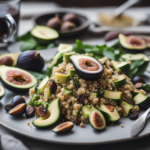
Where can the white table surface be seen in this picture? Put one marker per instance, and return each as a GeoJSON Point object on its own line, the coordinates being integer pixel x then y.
{"type": "Point", "coordinates": [29, 9]}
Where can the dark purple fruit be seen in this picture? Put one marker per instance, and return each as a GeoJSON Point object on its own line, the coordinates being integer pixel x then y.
{"type": "Point", "coordinates": [30, 111]}
{"type": "Point", "coordinates": [129, 102]}
{"type": "Point", "coordinates": [6, 60]}
{"type": "Point", "coordinates": [54, 23]}
{"type": "Point", "coordinates": [77, 122]}
{"type": "Point", "coordinates": [41, 111]}
{"type": "Point", "coordinates": [128, 33]}
{"type": "Point", "coordinates": [71, 17]}
{"type": "Point", "coordinates": [133, 115]}
{"type": "Point", "coordinates": [18, 110]}
{"type": "Point", "coordinates": [8, 107]}
{"type": "Point", "coordinates": [30, 60]}
{"type": "Point", "coordinates": [83, 97]}
{"type": "Point", "coordinates": [53, 86]}
{"type": "Point", "coordinates": [64, 127]}
{"type": "Point", "coordinates": [18, 100]}
{"type": "Point", "coordinates": [67, 25]}
{"type": "Point", "coordinates": [137, 79]}
{"type": "Point", "coordinates": [111, 36]}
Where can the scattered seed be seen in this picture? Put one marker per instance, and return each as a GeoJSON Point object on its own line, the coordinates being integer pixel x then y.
{"type": "Point", "coordinates": [121, 125]}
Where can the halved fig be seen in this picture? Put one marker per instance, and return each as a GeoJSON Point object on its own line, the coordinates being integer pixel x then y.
{"type": "Point", "coordinates": [132, 44]}
{"type": "Point", "coordinates": [30, 111]}
{"type": "Point", "coordinates": [18, 110]}
{"type": "Point", "coordinates": [87, 67]}
{"type": "Point", "coordinates": [64, 127]}
{"type": "Point", "coordinates": [147, 40]}
{"type": "Point", "coordinates": [2, 92]}
{"type": "Point", "coordinates": [97, 119]}
{"type": "Point", "coordinates": [16, 79]}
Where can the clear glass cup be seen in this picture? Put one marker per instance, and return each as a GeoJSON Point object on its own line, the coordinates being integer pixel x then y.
{"type": "Point", "coordinates": [9, 21]}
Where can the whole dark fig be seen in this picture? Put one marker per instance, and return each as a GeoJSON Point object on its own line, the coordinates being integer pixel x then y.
{"type": "Point", "coordinates": [18, 100]}
{"type": "Point", "coordinates": [54, 23]}
{"type": "Point", "coordinates": [30, 60]}
{"type": "Point", "coordinates": [67, 25]}
{"type": "Point", "coordinates": [111, 36]}
{"type": "Point", "coordinates": [71, 17]}
{"type": "Point", "coordinates": [137, 79]}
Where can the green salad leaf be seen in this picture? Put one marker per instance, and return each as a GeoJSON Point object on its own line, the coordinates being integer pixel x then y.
{"type": "Point", "coordinates": [146, 87]}
{"type": "Point", "coordinates": [38, 75]}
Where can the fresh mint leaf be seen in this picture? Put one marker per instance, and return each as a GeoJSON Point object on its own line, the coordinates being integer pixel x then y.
{"type": "Point", "coordinates": [40, 47]}
{"type": "Point", "coordinates": [49, 71]}
{"type": "Point", "coordinates": [24, 37]}
{"type": "Point", "coordinates": [28, 45]}
{"type": "Point", "coordinates": [51, 45]}
{"type": "Point", "coordinates": [39, 76]}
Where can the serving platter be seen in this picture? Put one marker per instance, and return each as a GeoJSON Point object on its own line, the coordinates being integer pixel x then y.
{"type": "Point", "coordinates": [78, 135]}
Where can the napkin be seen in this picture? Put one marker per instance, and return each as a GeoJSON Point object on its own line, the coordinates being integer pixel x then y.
{"type": "Point", "coordinates": [8, 142]}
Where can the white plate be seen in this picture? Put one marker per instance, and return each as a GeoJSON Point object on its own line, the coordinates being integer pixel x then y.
{"type": "Point", "coordinates": [78, 135]}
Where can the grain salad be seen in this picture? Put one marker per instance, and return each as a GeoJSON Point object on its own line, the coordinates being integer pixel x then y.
{"type": "Point", "coordinates": [71, 105]}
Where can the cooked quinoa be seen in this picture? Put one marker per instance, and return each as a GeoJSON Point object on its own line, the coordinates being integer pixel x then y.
{"type": "Point", "coordinates": [71, 106]}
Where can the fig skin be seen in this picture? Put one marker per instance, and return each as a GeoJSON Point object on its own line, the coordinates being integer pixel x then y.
{"type": "Point", "coordinates": [53, 86]}
{"type": "Point", "coordinates": [18, 100]}
{"type": "Point", "coordinates": [111, 36]}
{"type": "Point", "coordinates": [30, 111]}
{"type": "Point", "coordinates": [54, 23]}
{"type": "Point", "coordinates": [41, 111]}
{"type": "Point", "coordinates": [137, 79]}
{"type": "Point", "coordinates": [18, 110]}
{"type": "Point", "coordinates": [64, 127]}
{"type": "Point", "coordinates": [71, 17]}
{"type": "Point", "coordinates": [67, 25]}
{"type": "Point", "coordinates": [30, 60]}
{"type": "Point", "coordinates": [6, 60]}
{"type": "Point", "coordinates": [8, 107]}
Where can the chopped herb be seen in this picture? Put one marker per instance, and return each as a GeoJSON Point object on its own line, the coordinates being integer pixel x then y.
{"type": "Point", "coordinates": [106, 80]}
{"type": "Point", "coordinates": [76, 82]}
{"type": "Point", "coordinates": [34, 97]}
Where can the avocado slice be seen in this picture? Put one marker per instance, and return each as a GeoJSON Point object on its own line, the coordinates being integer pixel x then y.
{"type": "Point", "coordinates": [113, 95]}
{"type": "Point", "coordinates": [86, 110]}
{"type": "Point", "coordinates": [14, 57]}
{"type": "Point", "coordinates": [71, 73]}
{"type": "Point", "coordinates": [110, 112]}
{"type": "Point", "coordinates": [120, 66]}
{"type": "Point", "coordinates": [63, 46]}
{"type": "Point", "coordinates": [87, 67]}
{"type": "Point", "coordinates": [47, 92]}
{"type": "Point", "coordinates": [41, 87]}
{"type": "Point", "coordinates": [126, 107]}
{"type": "Point", "coordinates": [68, 91]}
{"type": "Point", "coordinates": [121, 81]}
{"type": "Point", "coordinates": [135, 92]}
{"type": "Point", "coordinates": [17, 79]}
{"type": "Point", "coordinates": [2, 92]}
{"type": "Point", "coordinates": [58, 58]}
{"type": "Point", "coordinates": [44, 35]}
{"type": "Point", "coordinates": [132, 57]}
{"type": "Point", "coordinates": [67, 57]}
{"type": "Point", "coordinates": [52, 117]}
{"type": "Point", "coordinates": [61, 77]}
{"type": "Point", "coordinates": [94, 94]}
{"type": "Point", "coordinates": [131, 42]}
{"type": "Point", "coordinates": [142, 101]}
{"type": "Point", "coordinates": [97, 119]}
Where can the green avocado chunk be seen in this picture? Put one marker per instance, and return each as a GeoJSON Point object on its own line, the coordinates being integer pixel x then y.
{"type": "Point", "coordinates": [86, 110]}
{"type": "Point", "coordinates": [68, 91]}
{"type": "Point", "coordinates": [47, 92]}
{"type": "Point", "coordinates": [67, 57]}
{"type": "Point", "coordinates": [97, 119]}
{"type": "Point", "coordinates": [61, 77]}
{"type": "Point", "coordinates": [52, 117]}
{"type": "Point", "coordinates": [94, 94]}
{"type": "Point", "coordinates": [126, 107]}
{"type": "Point", "coordinates": [113, 95]}
{"type": "Point", "coordinates": [71, 73]}
{"type": "Point", "coordinates": [110, 112]}
{"type": "Point", "coordinates": [121, 81]}
{"type": "Point", "coordinates": [142, 101]}
{"type": "Point", "coordinates": [44, 35]}
{"type": "Point", "coordinates": [42, 85]}
{"type": "Point", "coordinates": [120, 66]}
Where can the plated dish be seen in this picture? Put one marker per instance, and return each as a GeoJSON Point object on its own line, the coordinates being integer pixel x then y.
{"type": "Point", "coordinates": [77, 89]}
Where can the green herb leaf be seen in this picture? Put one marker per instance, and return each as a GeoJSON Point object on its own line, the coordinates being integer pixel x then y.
{"type": "Point", "coordinates": [28, 45]}
{"type": "Point", "coordinates": [51, 45]}
{"type": "Point", "coordinates": [44, 104]}
{"type": "Point", "coordinates": [38, 75]}
{"type": "Point", "coordinates": [49, 71]}
{"type": "Point", "coordinates": [24, 37]}
{"type": "Point", "coordinates": [40, 47]}
{"type": "Point", "coordinates": [146, 87]}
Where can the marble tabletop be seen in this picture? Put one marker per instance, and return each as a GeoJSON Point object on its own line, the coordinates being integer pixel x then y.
{"type": "Point", "coordinates": [25, 25]}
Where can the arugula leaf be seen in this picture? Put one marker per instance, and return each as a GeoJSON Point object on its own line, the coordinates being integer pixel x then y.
{"type": "Point", "coordinates": [40, 47]}
{"type": "Point", "coordinates": [28, 45]}
{"type": "Point", "coordinates": [38, 75]}
{"type": "Point", "coordinates": [146, 87]}
{"type": "Point", "coordinates": [51, 45]}
{"type": "Point", "coordinates": [44, 104]}
{"type": "Point", "coordinates": [25, 37]}
{"type": "Point", "coordinates": [49, 71]}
